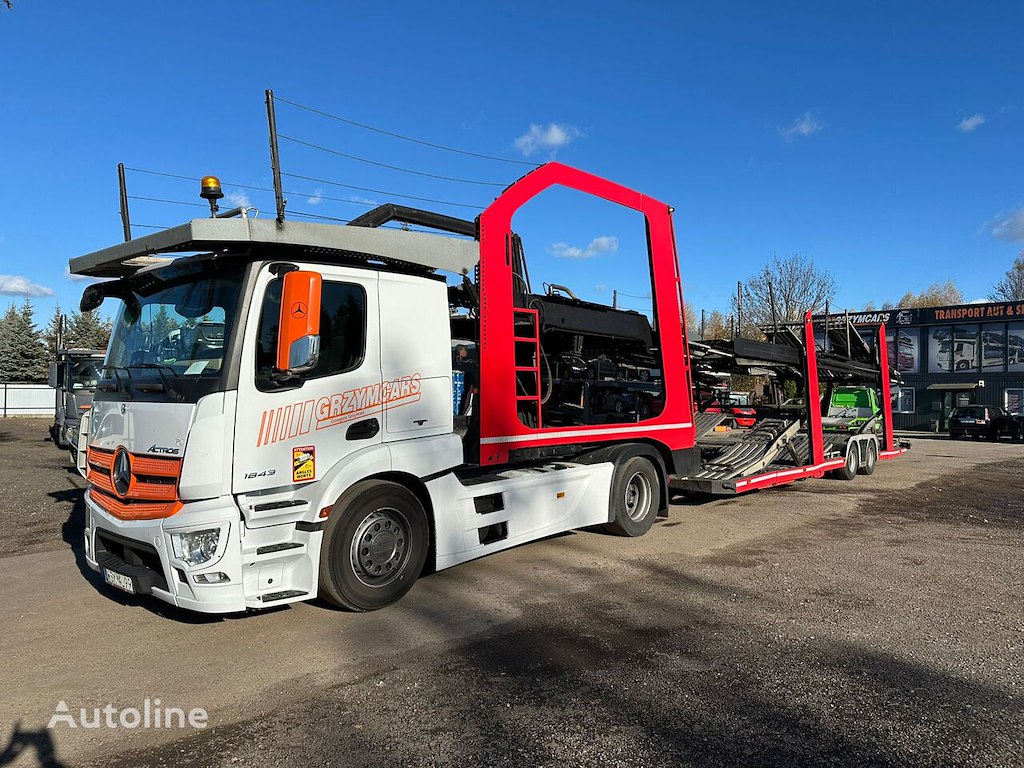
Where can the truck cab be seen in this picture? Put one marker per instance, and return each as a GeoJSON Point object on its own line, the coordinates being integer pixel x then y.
{"type": "Point", "coordinates": [74, 374]}
{"type": "Point", "coordinates": [275, 416]}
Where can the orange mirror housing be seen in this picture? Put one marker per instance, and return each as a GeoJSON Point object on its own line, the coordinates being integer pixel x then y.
{"type": "Point", "coordinates": [298, 337]}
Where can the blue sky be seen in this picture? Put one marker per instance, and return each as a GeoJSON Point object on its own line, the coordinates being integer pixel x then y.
{"type": "Point", "coordinates": [881, 139]}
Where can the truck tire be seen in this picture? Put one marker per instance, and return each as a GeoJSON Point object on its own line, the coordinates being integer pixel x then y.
{"type": "Point", "coordinates": [374, 546]}
{"type": "Point", "coordinates": [849, 470]}
{"type": "Point", "coordinates": [867, 467]}
{"type": "Point", "coordinates": [636, 497]}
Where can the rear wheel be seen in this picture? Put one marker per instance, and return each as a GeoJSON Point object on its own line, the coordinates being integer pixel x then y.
{"type": "Point", "coordinates": [993, 434]}
{"type": "Point", "coordinates": [870, 459]}
{"type": "Point", "coordinates": [849, 470]}
{"type": "Point", "coordinates": [374, 546]}
{"type": "Point", "coordinates": [636, 497]}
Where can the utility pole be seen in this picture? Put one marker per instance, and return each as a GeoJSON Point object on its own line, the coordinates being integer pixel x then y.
{"type": "Point", "coordinates": [739, 306]}
{"type": "Point", "coordinates": [615, 299]}
{"type": "Point", "coordinates": [275, 161]}
{"type": "Point", "coordinates": [703, 313]}
{"type": "Point", "coordinates": [123, 187]}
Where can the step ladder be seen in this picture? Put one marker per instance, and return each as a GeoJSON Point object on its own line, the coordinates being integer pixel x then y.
{"type": "Point", "coordinates": [526, 343]}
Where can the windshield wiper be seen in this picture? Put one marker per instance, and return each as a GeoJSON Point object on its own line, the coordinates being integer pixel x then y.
{"type": "Point", "coordinates": [118, 387]}
{"type": "Point", "coordinates": [167, 386]}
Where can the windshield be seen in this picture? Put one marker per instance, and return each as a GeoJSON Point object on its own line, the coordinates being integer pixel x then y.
{"type": "Point", "coordinates": [85, 374]}
{"type": "Point", "coordinates": [172, 328]}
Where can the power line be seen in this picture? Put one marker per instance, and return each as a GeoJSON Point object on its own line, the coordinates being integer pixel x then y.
{"type": "Point", "coordinates": [404, 138]}
{"type": "Point", "coordinates": [391, 167]}
{"type": "Point", "coordinates": [319, 216]}
{"type": "Point", "coordinates": [380, 191]}
{"type": "Point", "coordinates": [634, 296]}
{"type": "Point", "coordinates": [162, 200]}
{"type": "Point", "coordinates": [255, 188]}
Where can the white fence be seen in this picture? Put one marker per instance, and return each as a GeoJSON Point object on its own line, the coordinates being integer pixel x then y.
{"type": "Point", "coordinates": [27, 400]}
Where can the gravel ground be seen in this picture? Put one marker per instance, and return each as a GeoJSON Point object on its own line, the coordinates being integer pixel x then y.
{"type": "Point", "coordinates": [41, 504]}
{"type": "Point", "coordinates": [892, 636]}
{"type": "Point", "coordinates": [878, 622]}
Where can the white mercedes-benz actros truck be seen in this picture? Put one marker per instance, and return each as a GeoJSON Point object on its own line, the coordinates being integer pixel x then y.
{"type": "Point", "coordinates": [275, 414]}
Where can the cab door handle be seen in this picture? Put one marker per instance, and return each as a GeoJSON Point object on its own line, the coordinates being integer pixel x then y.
{"type": "Point", "coordinates": [363, 430]}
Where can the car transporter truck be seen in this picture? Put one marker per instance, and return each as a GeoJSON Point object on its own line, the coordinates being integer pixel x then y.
{"type": "Point", "coordinates": [274, 420]}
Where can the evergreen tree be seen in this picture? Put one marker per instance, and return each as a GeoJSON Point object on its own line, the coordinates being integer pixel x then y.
{"type": "Point", "coordinates": [162, 324]}
{"type": "Point", "coordinates": [87, 330]}
{"type": "Point", "coordinates": [23, 356]}
{"type": "Point", "coordinates": [51, 335]}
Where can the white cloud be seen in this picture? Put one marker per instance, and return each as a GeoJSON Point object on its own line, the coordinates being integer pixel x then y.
{"type": "Point", "coordinates": [363, 200]}
{"type": "Point", "coordinates": [552, 137]}
{"type": "Point", "coordinates": [78, 278]}
{"type": "Point", "coordinates": [805, 125]}
{"type": "Point", "coordinates": [979, 301]}
{"type": "Point", "coordinates": [605, 244]}
{"type": "Point", "coordinates": [238, 199]}
{"type": "Point", "coordinates": [16, 285]}
{"type": "Point", "coordinates": [1008, 226]}
{"type": "Point", "coordinates": [970, 124]}
{"type": "Point", "coordinates": [316, 198]}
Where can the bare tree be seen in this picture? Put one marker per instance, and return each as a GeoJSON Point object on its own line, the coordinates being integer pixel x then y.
{"type": "Point", "coordinates": [935, 295]}
{"type": "Point", "coordinates": [795, 284]}
{"type": "Point", "coordinates": [1011, 286]}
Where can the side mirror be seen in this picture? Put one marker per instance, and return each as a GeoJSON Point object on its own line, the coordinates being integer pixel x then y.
{"type": "Point", "coordinates": [298, 336]}
{"type": "Point", "coordinates": [54, 375]}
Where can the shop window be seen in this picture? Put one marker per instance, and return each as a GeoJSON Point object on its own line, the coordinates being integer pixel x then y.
{"type": "Point", "coordinates": [940, 349]}
{"type": "Point", "coordinates": [1015, 347]}
{"type": "Point", "coordinates": [908, 353]}
{"type": "Point", "coordinates": [966, 352]}
{"type": "Point", "coordinates": [1014, 399]}
{"type": "Point", "coordinates": [903, 400]}
{"type": "Point", "coordinates": [891, 345]}
{"type": "Point", "coordinates": [993, 347]}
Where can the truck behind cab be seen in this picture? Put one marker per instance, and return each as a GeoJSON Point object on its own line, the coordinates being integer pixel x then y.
{"type": "Point", "coordinates": [74, 374]}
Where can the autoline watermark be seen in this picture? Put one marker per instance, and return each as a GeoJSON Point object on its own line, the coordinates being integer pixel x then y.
{"type": "Point", "coordinates": [152, 714]}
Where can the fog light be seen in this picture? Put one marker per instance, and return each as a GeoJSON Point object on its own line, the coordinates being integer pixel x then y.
{"type": "Point", "coordinates": [195, 547]}
{"type": "Point", "coordinates": [211, 578]}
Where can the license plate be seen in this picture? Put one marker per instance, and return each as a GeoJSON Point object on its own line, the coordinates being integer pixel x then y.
{"type": "Point", "coordinates": [118, 580]}
{"type": "Point", "coordinates": [968, 421]}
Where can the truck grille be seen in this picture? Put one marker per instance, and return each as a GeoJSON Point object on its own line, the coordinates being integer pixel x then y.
{"type": "Point", "coordinates": [152, 492]}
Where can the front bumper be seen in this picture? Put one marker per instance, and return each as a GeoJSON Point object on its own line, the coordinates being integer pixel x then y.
{"type": "Point", "coordinates": [141, 552]}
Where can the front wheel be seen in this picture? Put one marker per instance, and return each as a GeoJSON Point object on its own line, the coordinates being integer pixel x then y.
{"type": "Point", "coordinates": [636, 497]}
{"type": "Point", "coordinates": [374, 547]}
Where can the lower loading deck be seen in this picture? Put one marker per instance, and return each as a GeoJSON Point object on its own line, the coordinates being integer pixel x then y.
{"type": "Point", "coordinates": [775, 452]}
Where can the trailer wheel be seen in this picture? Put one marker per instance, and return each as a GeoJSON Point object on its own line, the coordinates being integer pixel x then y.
{"type": "Point", "coordinates": [374, 546]}
{"type": "Point", "coordinates": [849, 470]}
{"type": "Point", "coordinates": [636, 497]}
{"type": "Point", "coordinates": [870, 458]}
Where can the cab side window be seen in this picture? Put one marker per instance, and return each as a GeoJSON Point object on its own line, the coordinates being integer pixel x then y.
{"type": "Point", "coordinates": [342, 332]}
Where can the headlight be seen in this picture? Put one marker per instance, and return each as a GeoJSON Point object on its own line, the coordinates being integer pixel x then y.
{"type": "Point", "coordinates": [196, 547]}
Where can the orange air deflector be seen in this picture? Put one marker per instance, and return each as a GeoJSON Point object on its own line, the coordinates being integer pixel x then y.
{"type": "Point", "coordinates": [300, 312]}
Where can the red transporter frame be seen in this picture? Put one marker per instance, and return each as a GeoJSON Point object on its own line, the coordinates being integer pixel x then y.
{"type": "Point", "coordinates": [500, 427]}
{"type": "Point", "coordinates": [819, 466]}
{"type": "Point", "coordinates": [889, 450]}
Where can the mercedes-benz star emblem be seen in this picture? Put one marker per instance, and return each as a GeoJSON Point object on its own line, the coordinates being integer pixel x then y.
{"type": "Point", "coordinates": [298, 309]}
{"type": "Point", "coordinates": [121, 472]}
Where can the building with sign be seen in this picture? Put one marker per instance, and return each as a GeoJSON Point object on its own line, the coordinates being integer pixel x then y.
{"type": "Point", "coordinates": [950, 356]}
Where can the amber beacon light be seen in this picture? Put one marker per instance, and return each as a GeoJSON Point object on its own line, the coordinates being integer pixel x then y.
{"type": "Point", "coordinates": [210, 190]}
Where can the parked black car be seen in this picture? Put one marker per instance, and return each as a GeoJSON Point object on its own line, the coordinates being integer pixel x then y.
{"type": "Point", "coordinates": [989, 421]}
